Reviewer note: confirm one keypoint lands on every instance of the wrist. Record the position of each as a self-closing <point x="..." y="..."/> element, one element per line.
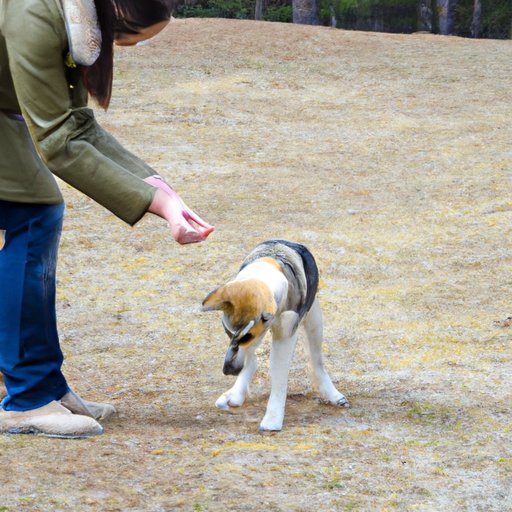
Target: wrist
<point x="158" y="182"/>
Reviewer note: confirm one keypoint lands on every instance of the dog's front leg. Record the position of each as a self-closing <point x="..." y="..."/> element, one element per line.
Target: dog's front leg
<point x="283" y="345"/>
<point x="235" y="396"/>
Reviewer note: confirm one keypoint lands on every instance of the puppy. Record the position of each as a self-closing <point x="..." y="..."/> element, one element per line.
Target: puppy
<point x="274" y="290"/>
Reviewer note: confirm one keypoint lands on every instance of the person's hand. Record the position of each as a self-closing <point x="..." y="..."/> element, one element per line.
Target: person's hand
<point x="186" y="226"/>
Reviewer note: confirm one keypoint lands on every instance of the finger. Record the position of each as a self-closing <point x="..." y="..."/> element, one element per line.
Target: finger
<point x="190" y="238"/>
<point x="190" y="215"/>
<point x="203" y="230"/>
<point x="185" y="233"/>
<point x="200" y="227"/>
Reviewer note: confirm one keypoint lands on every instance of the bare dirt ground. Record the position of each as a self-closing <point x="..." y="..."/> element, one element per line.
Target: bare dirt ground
<point x="390" y="156"/>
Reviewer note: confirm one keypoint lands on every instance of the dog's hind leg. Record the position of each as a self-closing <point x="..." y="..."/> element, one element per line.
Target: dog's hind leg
<point x="313" y="324"/>
<point x="235" y="396"/>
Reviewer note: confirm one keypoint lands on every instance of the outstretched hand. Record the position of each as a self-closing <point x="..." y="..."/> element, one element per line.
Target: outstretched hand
<point x="186" y="226"/>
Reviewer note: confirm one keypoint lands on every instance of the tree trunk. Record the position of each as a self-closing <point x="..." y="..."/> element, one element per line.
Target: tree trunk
<point x="305" y="12"/>
<point x="377" y="20"/>
<point x="258" y="10"/>
<point x="475" y="23"/>
<point x="333" y="21"/>
<point x="425" y="16"/>
<point x="446" y="12"/>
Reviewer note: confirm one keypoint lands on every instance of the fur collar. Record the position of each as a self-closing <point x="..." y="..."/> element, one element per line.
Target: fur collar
<point x="82" y="27"/>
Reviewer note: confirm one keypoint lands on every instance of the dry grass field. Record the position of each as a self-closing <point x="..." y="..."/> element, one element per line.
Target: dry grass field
<point x="390" y="156"/>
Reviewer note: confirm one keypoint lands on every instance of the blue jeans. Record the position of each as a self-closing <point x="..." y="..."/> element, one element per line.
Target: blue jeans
<point x="30" y="354"/>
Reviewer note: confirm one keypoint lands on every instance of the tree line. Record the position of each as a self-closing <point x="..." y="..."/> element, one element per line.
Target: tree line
<point x="467" y="18"/>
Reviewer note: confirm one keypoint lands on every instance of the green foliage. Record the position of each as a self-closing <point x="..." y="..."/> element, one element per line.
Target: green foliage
<point x="496" y="19"/>
<point x="373" y="15"/>
<point x="495" y="23"/>
<point x="275" y="10"/>
<point x="281" y="13"/>
<point x="238" y="9"/>
<point x="379" y="15"/>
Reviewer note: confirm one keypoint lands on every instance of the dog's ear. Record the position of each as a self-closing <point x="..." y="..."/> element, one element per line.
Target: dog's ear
<point x="216" y="300"/>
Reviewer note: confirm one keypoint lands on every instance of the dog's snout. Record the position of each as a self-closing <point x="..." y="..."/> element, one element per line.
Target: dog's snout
<point x="229" y="369"/>
<point x="232" y="365"/>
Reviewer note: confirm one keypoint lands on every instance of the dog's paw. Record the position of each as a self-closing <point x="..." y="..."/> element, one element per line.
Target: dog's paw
<point x="271" y="424"/>
<point x="227" y="400"/>
<point x="340" y="401"/>
<point x="221" y="404"/>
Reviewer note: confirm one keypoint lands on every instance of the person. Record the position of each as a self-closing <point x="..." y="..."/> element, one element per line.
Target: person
<point x="54" y="54"/>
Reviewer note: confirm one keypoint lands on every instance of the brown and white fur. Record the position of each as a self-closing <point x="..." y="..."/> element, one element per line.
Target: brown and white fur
<point x="274" y="290"/>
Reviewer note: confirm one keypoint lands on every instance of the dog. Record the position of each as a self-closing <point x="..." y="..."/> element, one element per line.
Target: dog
<point x="275" y="289"/>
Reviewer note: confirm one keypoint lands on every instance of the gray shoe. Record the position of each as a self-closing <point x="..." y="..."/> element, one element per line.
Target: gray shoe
<point x="78" y="405"/>
<point x="51" y="420"/>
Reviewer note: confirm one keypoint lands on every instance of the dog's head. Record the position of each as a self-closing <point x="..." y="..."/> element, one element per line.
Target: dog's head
<point x="249" y="308"/>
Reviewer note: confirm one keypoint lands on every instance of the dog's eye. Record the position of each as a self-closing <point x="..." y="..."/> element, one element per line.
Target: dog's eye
<point x="246" y="338"/>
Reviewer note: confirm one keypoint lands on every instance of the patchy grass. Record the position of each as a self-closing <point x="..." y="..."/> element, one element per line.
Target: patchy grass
<point x="390" y="156"/>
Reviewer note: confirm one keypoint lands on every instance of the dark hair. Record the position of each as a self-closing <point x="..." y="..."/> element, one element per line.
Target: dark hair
<point x="128" y="16"/>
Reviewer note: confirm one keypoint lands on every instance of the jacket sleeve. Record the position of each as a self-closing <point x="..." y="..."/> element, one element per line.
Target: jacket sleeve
<point x="68" y="138"/>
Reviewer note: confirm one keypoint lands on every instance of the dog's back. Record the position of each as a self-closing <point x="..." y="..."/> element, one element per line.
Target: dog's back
<point x="299" y="267"/>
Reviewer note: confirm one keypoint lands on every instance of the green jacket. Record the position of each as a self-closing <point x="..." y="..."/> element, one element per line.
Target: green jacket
<point x="60" y="134"/>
